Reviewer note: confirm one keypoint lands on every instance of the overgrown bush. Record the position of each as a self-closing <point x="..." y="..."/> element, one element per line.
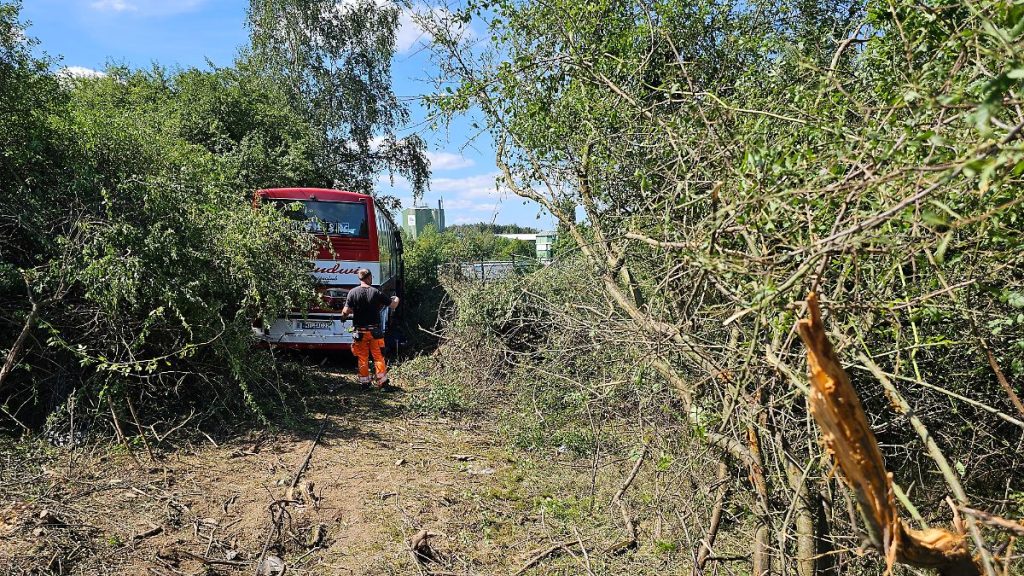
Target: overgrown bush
<point x="135" y="238"/>
<point x="425" y="256"/>
<point x="132" y="261"/>
<point x="728" y="158"/>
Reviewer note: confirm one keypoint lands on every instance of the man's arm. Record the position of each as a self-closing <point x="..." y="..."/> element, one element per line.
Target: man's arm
<point x="381" y="300"/>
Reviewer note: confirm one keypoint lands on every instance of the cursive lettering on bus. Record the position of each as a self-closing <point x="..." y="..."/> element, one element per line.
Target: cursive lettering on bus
<point x="336" y="269"/>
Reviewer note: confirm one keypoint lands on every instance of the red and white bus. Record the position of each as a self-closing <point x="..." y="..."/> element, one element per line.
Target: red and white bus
<point x="355" y="234"/>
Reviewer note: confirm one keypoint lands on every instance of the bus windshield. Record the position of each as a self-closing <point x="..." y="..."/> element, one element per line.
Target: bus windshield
<point x="332" y="218"/>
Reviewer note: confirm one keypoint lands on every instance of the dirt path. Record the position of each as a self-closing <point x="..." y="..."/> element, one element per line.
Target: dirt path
<point x="379" y="474"/>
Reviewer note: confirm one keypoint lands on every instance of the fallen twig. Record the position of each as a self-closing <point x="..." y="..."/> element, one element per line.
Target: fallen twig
<point x="120" y="433"/>
<point x="536" y="558"/>
<point x="708" y="543"/>
<point x="142" y="434"/>
<point x="627" y="518"/>
<point x="148" y="533"/>
<point x="583" y="549"/>
<point x="282" y="504"/>
<point x="1002" y="379"/>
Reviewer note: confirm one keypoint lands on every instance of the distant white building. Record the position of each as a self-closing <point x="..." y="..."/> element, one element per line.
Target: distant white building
<point x="544" y="243"/>
<point x="545" y="246"/>
<point x="523" y="237"/>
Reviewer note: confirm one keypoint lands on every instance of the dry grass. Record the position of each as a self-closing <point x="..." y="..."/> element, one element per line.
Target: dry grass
<point x="385" y="468"/>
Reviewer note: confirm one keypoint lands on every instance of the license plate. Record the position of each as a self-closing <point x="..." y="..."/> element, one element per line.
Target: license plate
<point x="315" y="324"/>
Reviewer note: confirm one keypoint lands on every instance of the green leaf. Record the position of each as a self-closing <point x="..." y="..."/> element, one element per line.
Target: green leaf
<point x="940" y="250"/>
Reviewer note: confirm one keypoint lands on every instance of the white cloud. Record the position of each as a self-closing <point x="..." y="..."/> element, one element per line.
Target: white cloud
<point x="79" y="72"/>
<point x="471" y="219"/>
<point x="397" y="182"/>
<point x="448" y="161"/>
<point x="466" y="199"/>
<point x="476" y="186"/>
<point x="113" y="6"/>
<point x="409" y="32"/>
<point x="465" y="204"/>
<point x="412" y="34"/>
<point x="146" y="7"/>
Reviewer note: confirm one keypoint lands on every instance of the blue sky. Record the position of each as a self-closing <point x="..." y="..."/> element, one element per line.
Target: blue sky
<point x="90" y="34"/>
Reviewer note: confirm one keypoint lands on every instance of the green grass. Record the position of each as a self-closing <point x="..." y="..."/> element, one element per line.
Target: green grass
<point x="440" y="398"/>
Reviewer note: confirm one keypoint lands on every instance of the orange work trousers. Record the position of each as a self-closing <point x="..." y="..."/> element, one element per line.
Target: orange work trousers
<point x="363" y="348"/>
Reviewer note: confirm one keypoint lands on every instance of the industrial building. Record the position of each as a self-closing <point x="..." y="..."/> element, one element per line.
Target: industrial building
<point x="545" y="246"/>
<point x="415" y="219"/>
<point x="543" y="243"/>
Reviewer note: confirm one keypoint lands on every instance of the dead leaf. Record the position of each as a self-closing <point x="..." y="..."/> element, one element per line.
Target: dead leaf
<point x="317" y="535"/>
<point x="229" y="502"/>
<point x="271" y="566"/>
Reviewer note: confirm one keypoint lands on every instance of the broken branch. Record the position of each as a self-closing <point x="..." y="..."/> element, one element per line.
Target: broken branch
<point x="627" y="518"/>
<point x="839" y="414"/>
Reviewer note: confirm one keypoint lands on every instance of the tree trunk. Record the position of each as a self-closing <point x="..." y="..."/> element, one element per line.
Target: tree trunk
<point x="762" y="563"/>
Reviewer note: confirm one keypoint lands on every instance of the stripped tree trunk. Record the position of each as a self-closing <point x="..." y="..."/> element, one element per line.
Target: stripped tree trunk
<point x="806" y="536"/>
<point x="762" y="562"/>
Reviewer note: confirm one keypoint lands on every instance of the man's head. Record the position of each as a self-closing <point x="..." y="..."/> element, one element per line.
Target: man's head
<point x="364" y="275"/>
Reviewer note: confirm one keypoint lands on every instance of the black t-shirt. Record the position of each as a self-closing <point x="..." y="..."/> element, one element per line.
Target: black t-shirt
<point x="366" y="303"/>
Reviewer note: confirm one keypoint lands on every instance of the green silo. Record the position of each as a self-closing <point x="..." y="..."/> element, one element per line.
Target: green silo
<point x="415" y="219"/>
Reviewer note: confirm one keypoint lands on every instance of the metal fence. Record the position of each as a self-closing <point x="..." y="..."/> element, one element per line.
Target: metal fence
<point x="490" y="270"/>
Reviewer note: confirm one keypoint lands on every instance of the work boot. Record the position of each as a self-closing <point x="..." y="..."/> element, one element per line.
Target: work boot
<point x="382" y="381"/>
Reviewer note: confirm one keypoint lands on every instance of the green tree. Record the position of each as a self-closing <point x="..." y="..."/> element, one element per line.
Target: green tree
<point x="335" y="59"/>
<point x="132" y="262"/>
<point x="728" y="157"/>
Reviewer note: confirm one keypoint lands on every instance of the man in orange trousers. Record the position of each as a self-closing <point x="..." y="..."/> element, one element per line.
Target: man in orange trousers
<point x="364" y="303"/>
